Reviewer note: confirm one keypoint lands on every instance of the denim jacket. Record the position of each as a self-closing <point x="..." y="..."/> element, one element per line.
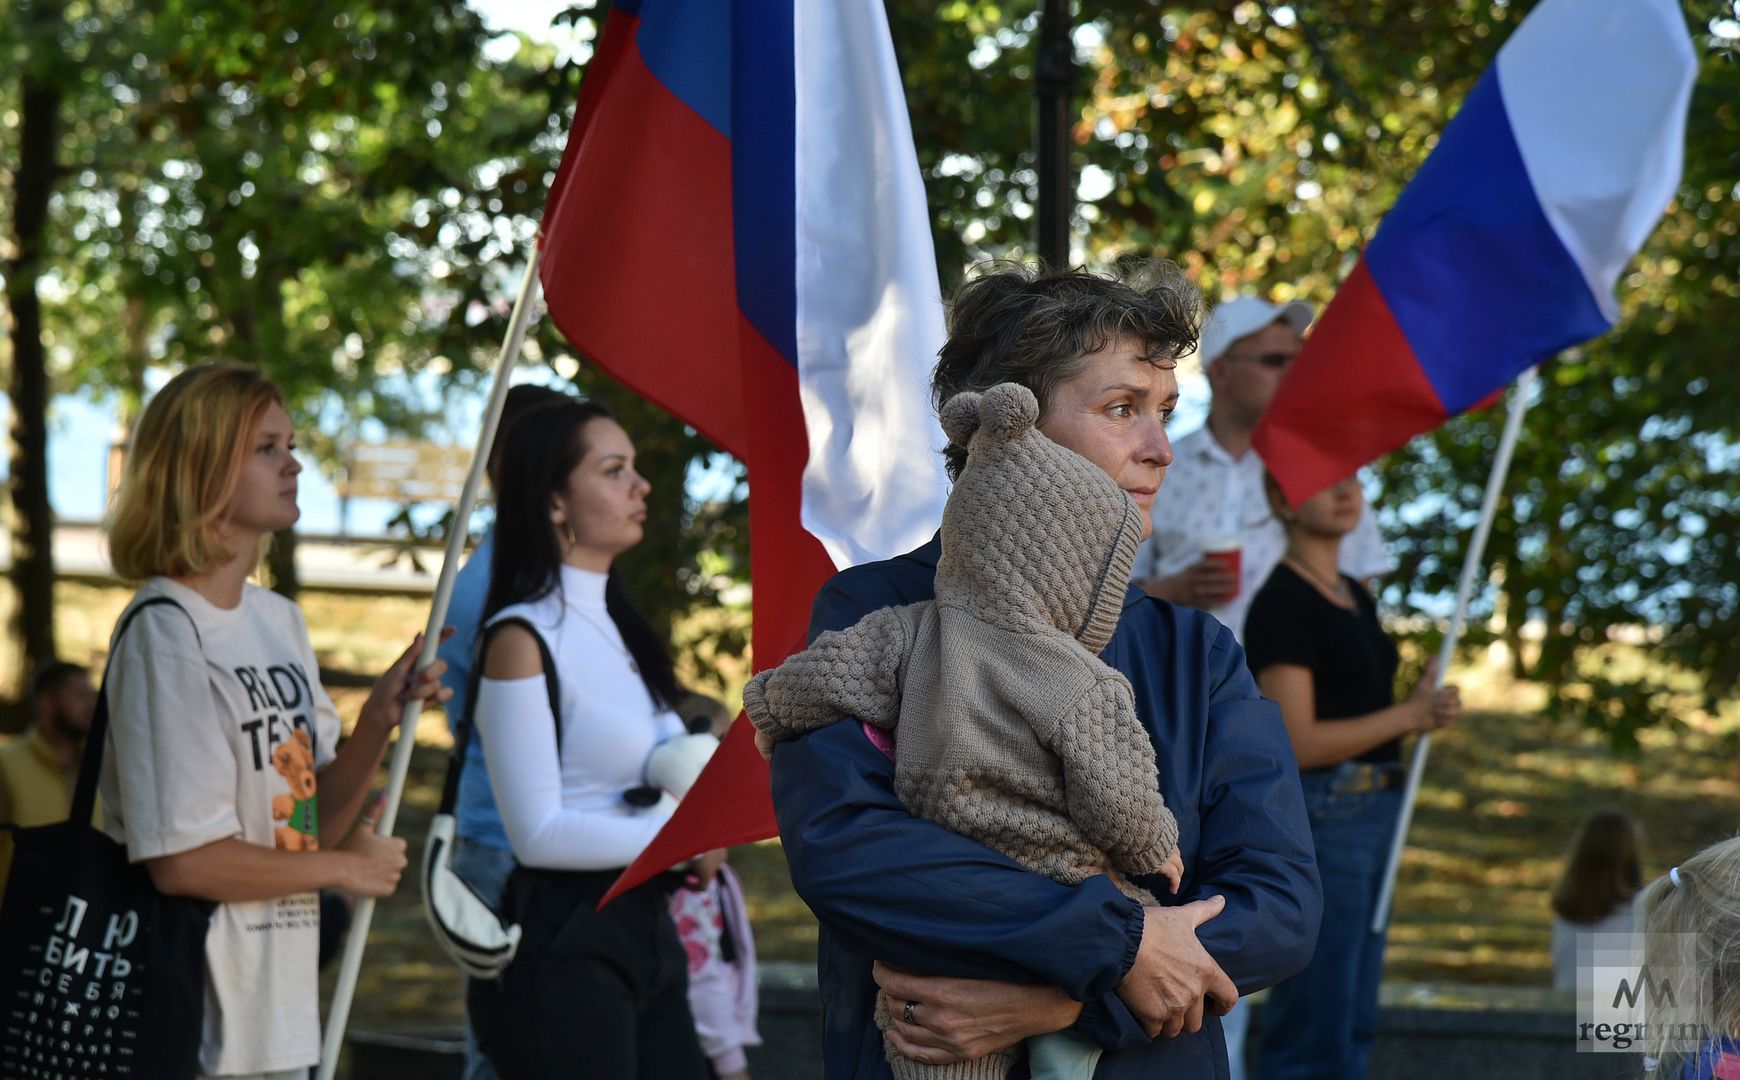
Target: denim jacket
<point x="478" y="818"/>
<point x="888" y="886"/>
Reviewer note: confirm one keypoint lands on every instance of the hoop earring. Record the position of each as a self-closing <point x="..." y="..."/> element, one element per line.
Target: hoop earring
<point x="568" y="531"/>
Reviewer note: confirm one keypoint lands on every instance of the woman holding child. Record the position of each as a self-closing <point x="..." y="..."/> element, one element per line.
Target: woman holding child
<point x="971" y="950"/>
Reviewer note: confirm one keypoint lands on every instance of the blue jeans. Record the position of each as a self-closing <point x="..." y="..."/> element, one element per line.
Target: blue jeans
<point x="486" y="869"/>
<point x="1320" y="1022"/>
<point x="1235" y="1026"/>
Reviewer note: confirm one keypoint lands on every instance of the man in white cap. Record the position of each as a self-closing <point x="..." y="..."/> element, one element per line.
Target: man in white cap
<point x="1212" y="502"/>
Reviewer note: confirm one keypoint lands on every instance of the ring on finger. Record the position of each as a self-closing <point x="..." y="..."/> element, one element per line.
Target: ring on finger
<point x="906" y="1014"/>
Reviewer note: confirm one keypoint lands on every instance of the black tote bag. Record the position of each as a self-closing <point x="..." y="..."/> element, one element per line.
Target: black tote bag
<point x="101" y="975"/>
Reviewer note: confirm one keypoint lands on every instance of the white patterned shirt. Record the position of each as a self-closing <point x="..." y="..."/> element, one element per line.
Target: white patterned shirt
<point x="1209" y="494"/>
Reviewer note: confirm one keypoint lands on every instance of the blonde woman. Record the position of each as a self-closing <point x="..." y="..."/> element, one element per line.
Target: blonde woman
<point x="223" y="772"/>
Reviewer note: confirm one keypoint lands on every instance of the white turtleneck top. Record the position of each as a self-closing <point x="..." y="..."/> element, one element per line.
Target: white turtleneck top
<point x="567" y="812"/>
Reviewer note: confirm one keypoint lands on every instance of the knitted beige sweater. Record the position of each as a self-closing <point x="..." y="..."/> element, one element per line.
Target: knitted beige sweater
<point x="1011" y="730"/>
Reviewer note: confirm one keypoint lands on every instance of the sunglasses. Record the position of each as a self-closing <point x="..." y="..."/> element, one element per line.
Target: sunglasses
<point x="1274" y="361"/>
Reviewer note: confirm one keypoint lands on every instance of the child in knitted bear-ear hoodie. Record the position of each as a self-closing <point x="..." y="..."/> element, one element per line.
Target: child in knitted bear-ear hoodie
<point x="1010" y="728"/>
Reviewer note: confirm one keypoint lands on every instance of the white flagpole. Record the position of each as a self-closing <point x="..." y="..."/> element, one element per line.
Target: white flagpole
<point x="1471" y="563"/>
<point x="407" y="738"/>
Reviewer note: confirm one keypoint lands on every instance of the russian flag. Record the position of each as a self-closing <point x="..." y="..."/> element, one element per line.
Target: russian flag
<point x="738" y="232"/>
<point x="1507" y="245"/>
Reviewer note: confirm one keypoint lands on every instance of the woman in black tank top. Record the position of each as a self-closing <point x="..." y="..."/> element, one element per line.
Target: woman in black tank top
<point x="1314" y="643"/>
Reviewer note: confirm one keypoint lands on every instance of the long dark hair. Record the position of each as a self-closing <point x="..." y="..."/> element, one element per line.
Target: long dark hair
<point x="539" y="453"/>
<point x="1604" y="868"/>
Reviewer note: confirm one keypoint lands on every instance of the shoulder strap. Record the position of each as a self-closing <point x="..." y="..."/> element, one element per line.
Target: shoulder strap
<point x="462" y="730"/>
<point x="85" y="794"/>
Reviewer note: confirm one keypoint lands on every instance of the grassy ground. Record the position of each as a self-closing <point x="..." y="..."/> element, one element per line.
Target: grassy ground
<point x="1504" y="791"/>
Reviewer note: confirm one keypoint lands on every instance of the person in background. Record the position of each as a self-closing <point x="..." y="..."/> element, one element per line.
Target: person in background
<point x="712" y="920"/>
<point x="39" y="769"/>
<point x="481" y="854"/>
<point x="1214" y="497"/>
<point x="1318" y="651"/>
<point x="1603" y="872"/>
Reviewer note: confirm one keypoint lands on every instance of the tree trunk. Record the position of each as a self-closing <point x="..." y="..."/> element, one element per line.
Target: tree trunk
<point x="32" y="525"/>
<point x="1516" y="616"/>
<point x="1553" y="664"/>
<point x="266" y="331"/>
<point x="245" y="341"/>
<point x="281" y="563"/>
<point x="132" y="394"/>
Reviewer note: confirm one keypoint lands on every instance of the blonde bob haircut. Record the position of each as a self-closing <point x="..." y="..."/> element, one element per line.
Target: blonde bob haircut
<point x="182" y="470"/>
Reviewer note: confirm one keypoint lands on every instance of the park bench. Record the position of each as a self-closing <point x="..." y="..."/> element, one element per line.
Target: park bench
<point x="401" y="471"/>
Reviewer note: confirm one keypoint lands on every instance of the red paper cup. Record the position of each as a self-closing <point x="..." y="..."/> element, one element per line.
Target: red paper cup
<point x="1226" y="554"/>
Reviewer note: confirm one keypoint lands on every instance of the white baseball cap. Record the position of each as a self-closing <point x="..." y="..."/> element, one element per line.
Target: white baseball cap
<point x="1243" y="316"/>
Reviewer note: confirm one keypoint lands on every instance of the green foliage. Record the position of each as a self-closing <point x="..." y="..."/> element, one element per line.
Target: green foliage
<point x="1259" y="145"/>
<point x="345" y="194"/>
<point x="240" y="180"/>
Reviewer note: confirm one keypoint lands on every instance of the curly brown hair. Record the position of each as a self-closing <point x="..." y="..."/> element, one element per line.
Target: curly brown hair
<point x="1035" y="325"/>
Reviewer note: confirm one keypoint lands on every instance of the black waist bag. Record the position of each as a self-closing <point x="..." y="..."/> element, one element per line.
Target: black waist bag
<point x="101" y="975"/>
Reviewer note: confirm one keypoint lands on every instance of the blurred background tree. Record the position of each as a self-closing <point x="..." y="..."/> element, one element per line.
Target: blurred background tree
<point x="1259" y="145"/>
<point x="346" y="195"/>
<point x="343" y="195"/>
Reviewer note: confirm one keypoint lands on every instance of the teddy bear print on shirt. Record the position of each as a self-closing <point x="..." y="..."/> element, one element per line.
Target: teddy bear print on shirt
<point x="294" y="760"/>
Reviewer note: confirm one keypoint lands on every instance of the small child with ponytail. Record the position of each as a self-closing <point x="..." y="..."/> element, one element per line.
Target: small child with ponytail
<point x="1691" y="922"/>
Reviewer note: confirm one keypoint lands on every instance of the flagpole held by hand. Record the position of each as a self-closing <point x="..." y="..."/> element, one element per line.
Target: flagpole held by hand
<point x="407" y="736"/>
<point x="1471" y="564"/>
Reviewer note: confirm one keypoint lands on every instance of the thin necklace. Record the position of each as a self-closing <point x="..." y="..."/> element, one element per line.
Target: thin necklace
<point x="1337" y="588"/>
<point x="610" y="638"/>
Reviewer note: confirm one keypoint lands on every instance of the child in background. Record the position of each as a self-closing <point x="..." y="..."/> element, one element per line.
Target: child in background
<point x="713" y="925"/>
<point x="1603" y="871"/>
<point x="1691" y="923"/>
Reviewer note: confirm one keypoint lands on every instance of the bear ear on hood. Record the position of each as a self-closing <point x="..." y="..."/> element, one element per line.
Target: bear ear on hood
<point x="960" y="417"/>
<point x="1008" y="411"/>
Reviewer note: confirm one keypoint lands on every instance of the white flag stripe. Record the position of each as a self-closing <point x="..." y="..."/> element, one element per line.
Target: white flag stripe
<point x="869" y="308"/>
<point x="1596" y="92"/>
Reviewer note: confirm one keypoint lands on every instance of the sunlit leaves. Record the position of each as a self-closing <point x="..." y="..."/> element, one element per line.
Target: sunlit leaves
<point x="1259" y="145"/>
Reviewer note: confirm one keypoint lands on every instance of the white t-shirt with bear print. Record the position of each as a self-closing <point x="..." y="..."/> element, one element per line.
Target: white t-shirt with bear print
<point x="217" y="725"/>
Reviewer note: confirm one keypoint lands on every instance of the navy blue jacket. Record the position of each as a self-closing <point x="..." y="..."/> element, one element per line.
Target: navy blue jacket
<point x="888" y="886"/>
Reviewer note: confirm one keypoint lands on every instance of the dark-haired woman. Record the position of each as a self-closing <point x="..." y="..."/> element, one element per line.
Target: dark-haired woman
<point x="599" y="993"/>
<point x="1314" y="642"/>
<point x="1602" y="877"/>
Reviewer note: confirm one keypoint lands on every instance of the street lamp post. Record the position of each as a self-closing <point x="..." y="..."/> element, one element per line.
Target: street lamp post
<point x="1054" y="78"/>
